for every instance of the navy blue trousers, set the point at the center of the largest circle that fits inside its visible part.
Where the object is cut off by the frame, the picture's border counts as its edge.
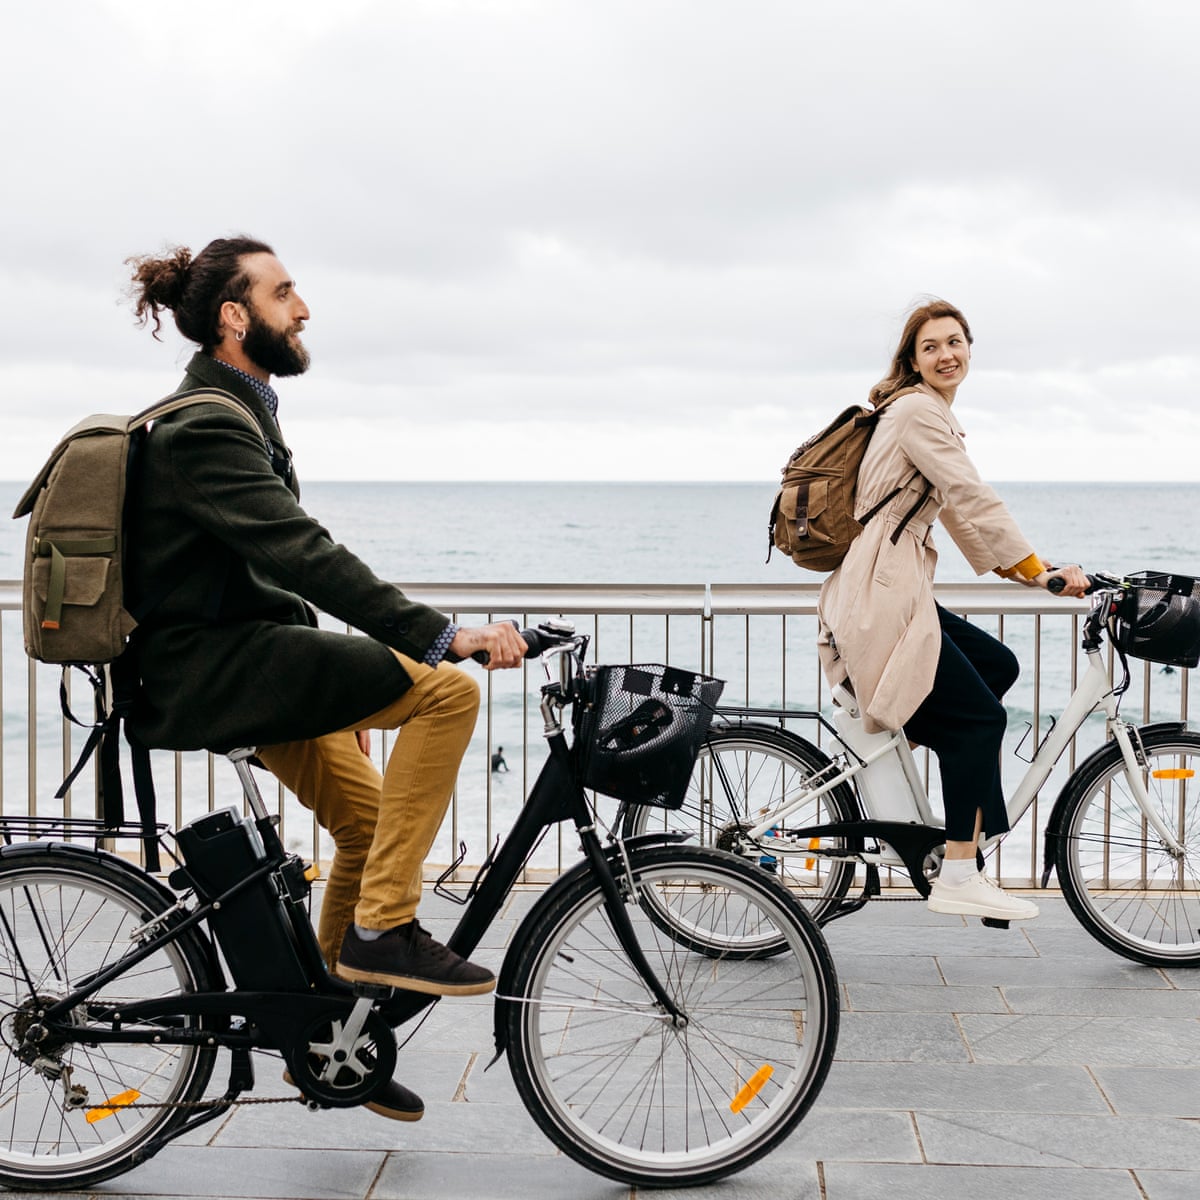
(962, 721)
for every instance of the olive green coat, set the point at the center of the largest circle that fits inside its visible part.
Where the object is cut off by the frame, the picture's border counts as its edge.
(218, 544)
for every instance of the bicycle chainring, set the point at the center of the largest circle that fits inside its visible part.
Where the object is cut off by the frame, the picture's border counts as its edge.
(360, 1073)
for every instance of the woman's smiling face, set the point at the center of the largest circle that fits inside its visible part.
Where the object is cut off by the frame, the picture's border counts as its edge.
(943, 354)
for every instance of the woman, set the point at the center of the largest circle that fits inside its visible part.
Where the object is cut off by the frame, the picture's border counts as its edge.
(912, 664)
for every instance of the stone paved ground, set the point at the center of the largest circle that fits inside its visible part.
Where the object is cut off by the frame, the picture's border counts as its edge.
(972, 1063)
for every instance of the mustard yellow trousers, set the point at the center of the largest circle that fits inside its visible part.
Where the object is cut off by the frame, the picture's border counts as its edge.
(382, 825)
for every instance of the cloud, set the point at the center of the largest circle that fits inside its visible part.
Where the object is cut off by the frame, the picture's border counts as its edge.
(667, 238)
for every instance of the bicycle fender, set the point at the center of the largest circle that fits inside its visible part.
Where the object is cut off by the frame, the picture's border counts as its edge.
(520, 939)
(33, 850)
(1054, 821)
(17, 850)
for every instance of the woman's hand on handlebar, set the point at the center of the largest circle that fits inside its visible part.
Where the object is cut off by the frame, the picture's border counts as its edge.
(495, 646)
(1064, 581)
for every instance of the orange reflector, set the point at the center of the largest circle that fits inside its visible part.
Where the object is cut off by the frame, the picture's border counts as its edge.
(112, 1105)
(813, 844)
(752, 1088)
(1174, 773)
(51, 625)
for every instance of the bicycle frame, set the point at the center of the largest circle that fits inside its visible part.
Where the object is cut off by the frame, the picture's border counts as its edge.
(556, 796)
(1094, 690)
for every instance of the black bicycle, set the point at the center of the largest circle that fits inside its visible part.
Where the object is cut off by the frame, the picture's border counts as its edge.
(647, 1036)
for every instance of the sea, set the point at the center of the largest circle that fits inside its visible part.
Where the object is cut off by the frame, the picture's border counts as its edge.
(604, 533)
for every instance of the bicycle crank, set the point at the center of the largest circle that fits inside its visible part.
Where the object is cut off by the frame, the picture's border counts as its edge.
(335, 1064)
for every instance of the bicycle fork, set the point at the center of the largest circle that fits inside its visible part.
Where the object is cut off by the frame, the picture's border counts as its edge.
(1093, 692)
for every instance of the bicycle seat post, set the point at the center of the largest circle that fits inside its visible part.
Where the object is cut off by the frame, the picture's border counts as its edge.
(241, 759)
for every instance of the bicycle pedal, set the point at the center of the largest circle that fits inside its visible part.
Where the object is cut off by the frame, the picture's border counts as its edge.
(994, 922)
(376, 991)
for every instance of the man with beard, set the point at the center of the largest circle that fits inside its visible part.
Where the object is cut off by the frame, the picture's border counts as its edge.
(226, 564)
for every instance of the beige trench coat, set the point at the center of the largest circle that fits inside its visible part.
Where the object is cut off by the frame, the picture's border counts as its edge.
(878, 622)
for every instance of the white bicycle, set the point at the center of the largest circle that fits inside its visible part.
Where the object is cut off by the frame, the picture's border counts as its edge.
(1124, 832)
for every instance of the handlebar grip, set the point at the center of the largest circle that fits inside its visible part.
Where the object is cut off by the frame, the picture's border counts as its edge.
(533, 642)
(1056, 585)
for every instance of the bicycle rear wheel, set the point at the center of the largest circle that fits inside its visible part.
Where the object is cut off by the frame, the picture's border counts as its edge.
(1127, 890)
(621, 1088)
(745, 772)
(74, 1113)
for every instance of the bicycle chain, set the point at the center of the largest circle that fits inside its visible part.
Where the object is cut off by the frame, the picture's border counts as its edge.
(189, 1104)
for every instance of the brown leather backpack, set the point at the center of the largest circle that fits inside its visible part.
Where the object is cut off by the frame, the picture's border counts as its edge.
(812, 518)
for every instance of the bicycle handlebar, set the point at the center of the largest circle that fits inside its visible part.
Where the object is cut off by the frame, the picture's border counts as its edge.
(1095, 583)
(537, 641)
(1056, 584)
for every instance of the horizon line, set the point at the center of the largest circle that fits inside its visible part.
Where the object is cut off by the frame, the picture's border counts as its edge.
(477, 480)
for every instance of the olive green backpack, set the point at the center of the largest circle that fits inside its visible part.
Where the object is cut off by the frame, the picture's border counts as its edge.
(73, 598)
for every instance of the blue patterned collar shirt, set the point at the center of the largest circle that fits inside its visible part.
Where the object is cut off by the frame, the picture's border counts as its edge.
(264, 391)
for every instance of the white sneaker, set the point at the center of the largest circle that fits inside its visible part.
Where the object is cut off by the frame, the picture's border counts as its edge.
(979, 897)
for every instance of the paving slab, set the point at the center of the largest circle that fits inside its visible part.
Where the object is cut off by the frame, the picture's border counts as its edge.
(974, 1087)
(972, 1062)
(1024, 1139)
(475, 1174)
(895, 1037)
(1169, 1185)
(1125, 1041)
(1151, 1091)
(911, 998)
(868, 1181)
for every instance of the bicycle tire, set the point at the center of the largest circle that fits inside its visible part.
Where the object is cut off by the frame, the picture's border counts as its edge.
(1122, 885)
(743, 771)
(65, 914)
(608, 1077)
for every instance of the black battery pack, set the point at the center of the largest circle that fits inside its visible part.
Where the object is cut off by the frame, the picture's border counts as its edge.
(253, 928)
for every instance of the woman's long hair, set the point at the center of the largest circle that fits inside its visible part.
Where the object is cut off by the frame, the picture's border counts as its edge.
(902, 372)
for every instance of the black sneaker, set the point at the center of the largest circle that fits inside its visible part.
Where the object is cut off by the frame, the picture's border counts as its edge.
(407, 957)
(393, 1101)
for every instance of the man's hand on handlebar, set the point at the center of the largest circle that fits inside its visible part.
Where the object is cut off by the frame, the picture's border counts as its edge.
(1074, 582)
(495, 646)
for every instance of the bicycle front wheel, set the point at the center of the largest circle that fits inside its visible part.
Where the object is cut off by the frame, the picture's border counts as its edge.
(744, 773)
(1131, 892)
(626, 1090)
(73, 1112)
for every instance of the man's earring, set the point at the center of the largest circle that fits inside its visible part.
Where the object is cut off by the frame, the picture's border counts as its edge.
(240, 336)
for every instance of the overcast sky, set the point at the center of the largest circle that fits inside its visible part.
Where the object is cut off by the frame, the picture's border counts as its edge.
(619, 239)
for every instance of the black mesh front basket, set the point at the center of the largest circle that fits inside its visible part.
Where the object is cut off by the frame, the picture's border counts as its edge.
(1158, 619)
(639, 737)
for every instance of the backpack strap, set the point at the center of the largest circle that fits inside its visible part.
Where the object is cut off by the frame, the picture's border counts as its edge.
(912, 512)
(113, 689)
(884, 502)
(916, 508)
(207, 395)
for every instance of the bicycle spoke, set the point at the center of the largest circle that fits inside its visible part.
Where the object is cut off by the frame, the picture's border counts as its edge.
(638, 1095)
(743, 774)
(78, 1111)
(1134, 894)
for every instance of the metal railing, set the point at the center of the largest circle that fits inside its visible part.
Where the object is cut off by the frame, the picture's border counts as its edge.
(760, 639)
